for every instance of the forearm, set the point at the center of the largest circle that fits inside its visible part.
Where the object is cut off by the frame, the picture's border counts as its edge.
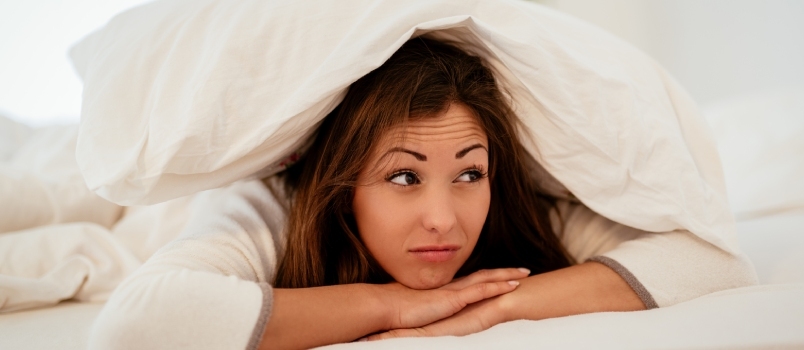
(309, 317)
(579, 289)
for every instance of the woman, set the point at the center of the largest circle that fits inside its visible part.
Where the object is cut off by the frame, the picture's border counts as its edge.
(418, 177)
(413, 213)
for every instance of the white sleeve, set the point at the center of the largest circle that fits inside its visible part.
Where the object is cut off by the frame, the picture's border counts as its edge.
(209, 288)
(663, 268)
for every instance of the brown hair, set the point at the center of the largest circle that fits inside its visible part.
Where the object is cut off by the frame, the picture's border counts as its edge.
(419, 81)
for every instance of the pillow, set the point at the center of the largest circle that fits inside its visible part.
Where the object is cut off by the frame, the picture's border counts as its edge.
(186, 95)
(761, 141)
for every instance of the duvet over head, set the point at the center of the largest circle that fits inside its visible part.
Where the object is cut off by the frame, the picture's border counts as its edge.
(183, 96)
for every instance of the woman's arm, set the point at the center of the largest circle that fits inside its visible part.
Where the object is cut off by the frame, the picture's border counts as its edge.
(626, 269)
(308, 317)
(579, 289)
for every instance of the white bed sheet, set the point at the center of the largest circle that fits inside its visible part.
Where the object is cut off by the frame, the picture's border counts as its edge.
(765, 316)
(64, 326)
(775, 244)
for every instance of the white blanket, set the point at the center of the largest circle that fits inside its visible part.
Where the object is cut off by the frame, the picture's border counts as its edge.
(58, 240)
(40, 183)
(188, 95)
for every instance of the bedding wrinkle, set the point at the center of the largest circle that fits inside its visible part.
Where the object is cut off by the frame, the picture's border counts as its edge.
(42, 185)
(45, 265)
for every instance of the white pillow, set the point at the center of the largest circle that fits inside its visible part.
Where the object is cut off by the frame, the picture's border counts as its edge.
(761, 141)
(186, 95)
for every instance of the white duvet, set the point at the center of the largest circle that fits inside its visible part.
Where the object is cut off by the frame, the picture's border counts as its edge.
(187, 95)
(59, 240)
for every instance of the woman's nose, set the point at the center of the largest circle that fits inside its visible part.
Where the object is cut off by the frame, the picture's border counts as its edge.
(438, 211)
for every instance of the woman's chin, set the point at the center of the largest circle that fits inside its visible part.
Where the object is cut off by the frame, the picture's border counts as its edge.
(427, 280)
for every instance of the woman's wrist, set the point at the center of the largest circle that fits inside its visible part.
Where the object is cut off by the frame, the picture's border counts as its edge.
(580, 289)
(508, 305)
(378, 299)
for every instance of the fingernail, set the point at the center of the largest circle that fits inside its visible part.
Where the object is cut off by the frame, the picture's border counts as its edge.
(513, 283)
(524, 270)
(363, 339)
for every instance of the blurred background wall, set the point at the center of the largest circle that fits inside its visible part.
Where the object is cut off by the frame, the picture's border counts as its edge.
(717, 49)
(37, 83)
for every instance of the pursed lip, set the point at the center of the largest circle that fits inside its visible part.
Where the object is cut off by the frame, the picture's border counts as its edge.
(435, 253)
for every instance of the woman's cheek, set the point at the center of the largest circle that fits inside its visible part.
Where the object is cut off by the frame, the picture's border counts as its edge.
(474, 211)
(382, 223)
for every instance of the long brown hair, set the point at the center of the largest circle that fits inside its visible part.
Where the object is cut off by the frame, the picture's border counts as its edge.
(419, 81)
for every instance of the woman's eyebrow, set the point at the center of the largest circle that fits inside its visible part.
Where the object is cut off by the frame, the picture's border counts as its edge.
(466, 150)
(419, 156)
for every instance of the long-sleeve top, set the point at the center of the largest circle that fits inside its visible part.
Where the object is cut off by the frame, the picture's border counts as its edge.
(210, 288)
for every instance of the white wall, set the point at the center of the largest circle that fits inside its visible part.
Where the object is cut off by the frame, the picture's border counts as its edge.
(37, 82)
(715, 48)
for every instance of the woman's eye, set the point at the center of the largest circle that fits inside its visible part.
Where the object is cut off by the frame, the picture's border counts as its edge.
(470, 176)
(406, 178)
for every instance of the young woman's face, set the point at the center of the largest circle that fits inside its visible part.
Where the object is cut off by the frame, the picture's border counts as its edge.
(423, 197)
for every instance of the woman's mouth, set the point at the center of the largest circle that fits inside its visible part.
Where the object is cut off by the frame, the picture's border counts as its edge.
(435, 253)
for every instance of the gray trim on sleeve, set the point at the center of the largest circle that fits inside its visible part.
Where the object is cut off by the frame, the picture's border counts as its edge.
(262, 319)
(629, 278)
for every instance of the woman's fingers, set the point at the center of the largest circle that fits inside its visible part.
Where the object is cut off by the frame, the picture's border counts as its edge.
(417, 308)
(471, 319)
(481, 291)
(398, 333)
(484, 276)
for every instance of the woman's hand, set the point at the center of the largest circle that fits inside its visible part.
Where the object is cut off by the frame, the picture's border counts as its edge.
(472, 319)
(416, 308)
(579, 289)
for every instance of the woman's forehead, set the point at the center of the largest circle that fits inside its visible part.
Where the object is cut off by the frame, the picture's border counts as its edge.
(457, 124)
